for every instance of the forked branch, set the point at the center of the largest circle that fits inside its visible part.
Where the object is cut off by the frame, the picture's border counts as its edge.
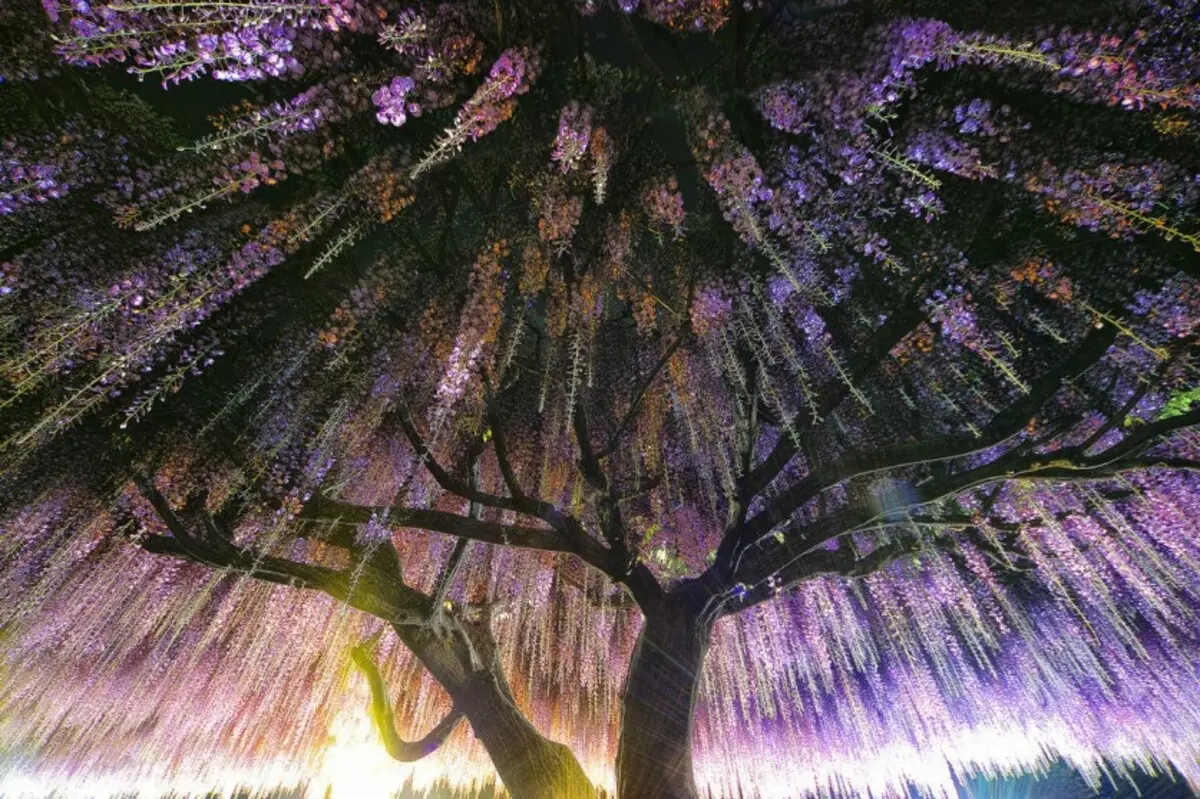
(841, 561)
(566, 533)
(1003, 427)
(385, 720)
(447, 481)
(377, 594)
(622, 427)
(438, 521)
(780, 563)
(871, 354)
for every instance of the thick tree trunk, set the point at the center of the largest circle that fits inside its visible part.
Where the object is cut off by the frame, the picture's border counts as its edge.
(654, 757)
(531, 766)
(462, 658)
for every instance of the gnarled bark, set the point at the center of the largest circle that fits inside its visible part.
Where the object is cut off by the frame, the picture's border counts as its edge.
(654, 757)
(462, 657)
(385, 722)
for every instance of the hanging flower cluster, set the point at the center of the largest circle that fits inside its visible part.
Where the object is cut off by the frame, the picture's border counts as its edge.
(491, 104)
(574, 135)
(393, 102)
(478, 330)
(682, 15)
(663, 204)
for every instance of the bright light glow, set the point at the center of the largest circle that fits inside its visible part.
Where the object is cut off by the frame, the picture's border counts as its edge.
(356, 766)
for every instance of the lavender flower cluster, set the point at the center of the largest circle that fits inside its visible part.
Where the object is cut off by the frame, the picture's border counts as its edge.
(36, 170)
(180, 41)
(574, 134)
(395, 103)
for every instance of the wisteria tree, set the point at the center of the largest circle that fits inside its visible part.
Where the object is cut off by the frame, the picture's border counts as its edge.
(697, 398)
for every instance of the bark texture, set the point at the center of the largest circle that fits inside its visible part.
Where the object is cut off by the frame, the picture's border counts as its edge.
(462, 657)
(654, 758)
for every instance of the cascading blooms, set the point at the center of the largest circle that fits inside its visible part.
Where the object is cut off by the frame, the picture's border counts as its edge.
(880, 330)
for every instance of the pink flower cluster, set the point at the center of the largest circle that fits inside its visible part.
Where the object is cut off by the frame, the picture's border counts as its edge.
(440, 46)
(1114, 68)
(734, 174)
(493, 103)
(1119, 198)
(663, 203)
(251, 172)
(560, 212)
(37, 169)
(682, 15)
(478, 329)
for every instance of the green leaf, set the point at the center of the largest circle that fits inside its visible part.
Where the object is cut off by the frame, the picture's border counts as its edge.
(1179, 404)
(651, 531)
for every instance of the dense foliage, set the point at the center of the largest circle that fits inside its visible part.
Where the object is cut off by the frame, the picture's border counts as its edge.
(761, 400)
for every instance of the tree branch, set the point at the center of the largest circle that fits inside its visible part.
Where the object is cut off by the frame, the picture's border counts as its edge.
(164, 545)
(500, 444)
(447, 481)
(446, 578)
(840, 561)
(1004, 426)
(589, 466)
(437, 521)
(747, 431)
(572, 537)
(1141, 437)
(1116, 418)
(872, 353)
(381, 713)
(785, 562)
(614, 440)
(595, 594)
(641, 581)
(378, 594)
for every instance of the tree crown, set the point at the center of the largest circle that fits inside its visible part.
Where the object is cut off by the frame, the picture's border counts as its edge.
(867, 327)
